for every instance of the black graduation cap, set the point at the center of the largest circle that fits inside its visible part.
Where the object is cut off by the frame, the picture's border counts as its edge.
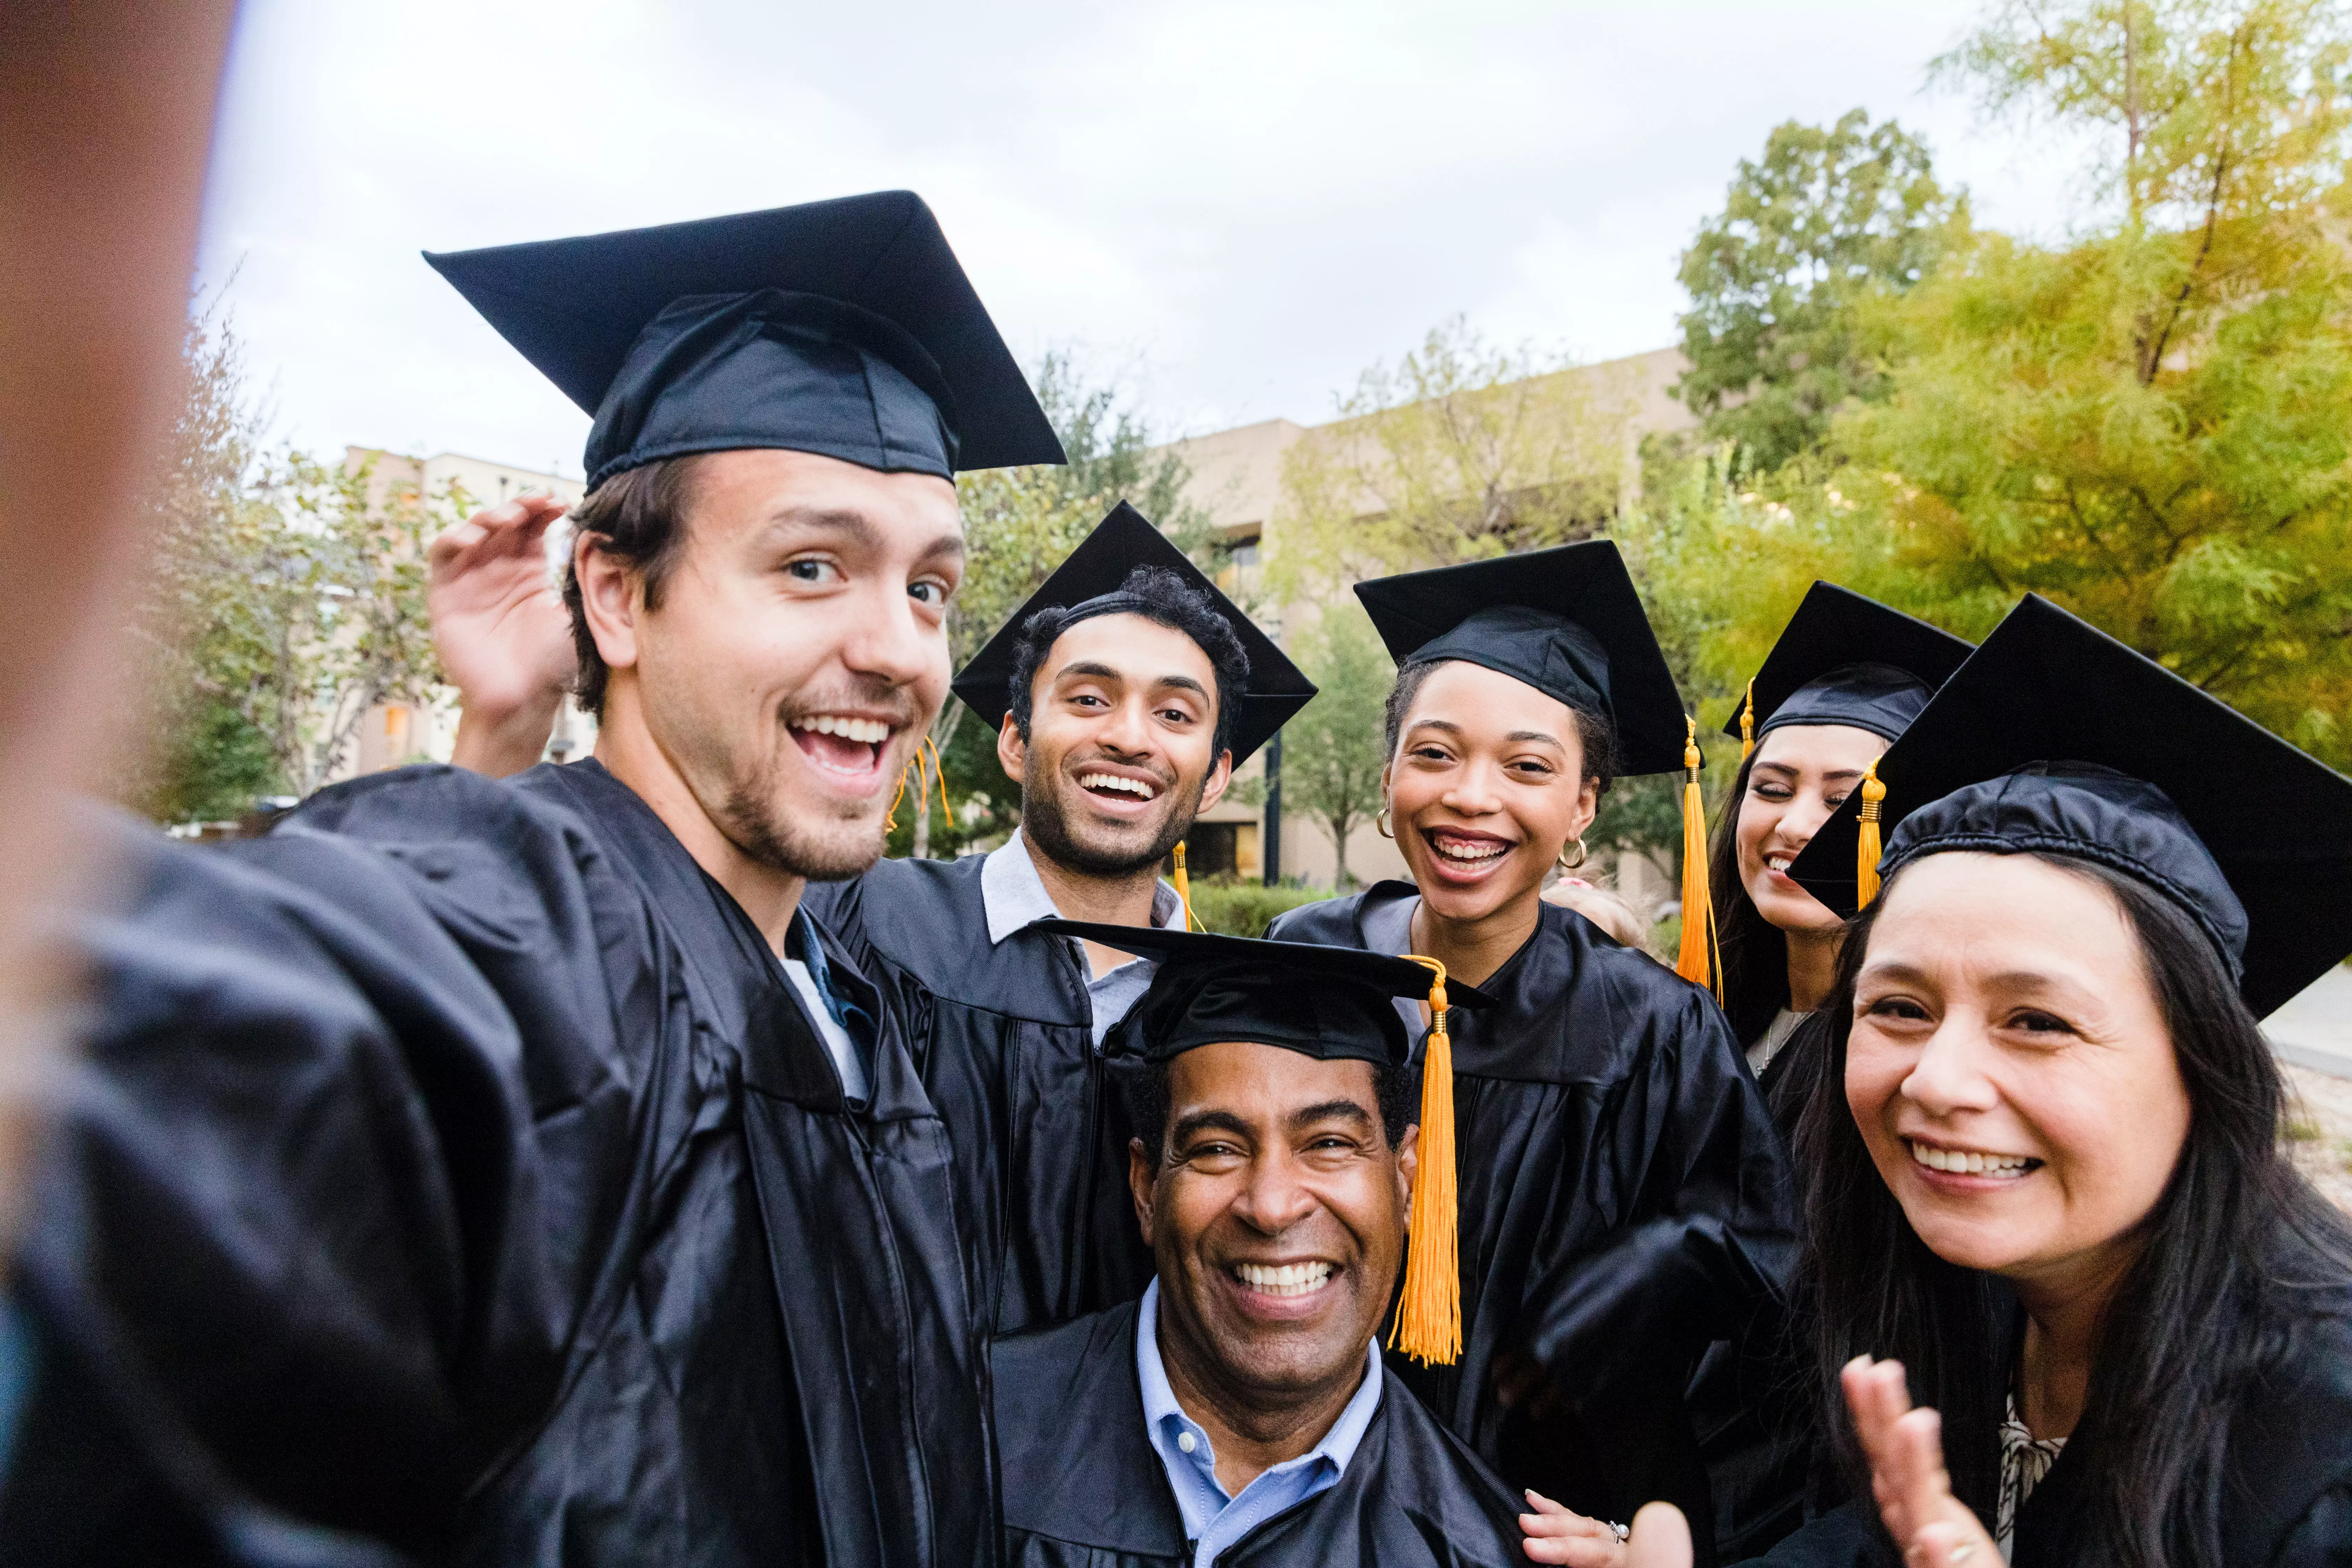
(1334, 1003)
(1123, 541)
(2055, 737)
(1566, 621)
(845, 327)
(1846, 660)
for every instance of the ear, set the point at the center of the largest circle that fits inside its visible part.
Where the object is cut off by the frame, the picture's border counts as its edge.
(611, 597)
(1142, 1171)
(1408, 1161)
(1588, 806)
(1214, 789)
(1012, 751)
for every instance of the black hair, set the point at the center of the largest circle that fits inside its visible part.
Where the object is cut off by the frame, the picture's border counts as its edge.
(1394, 1089)
(1596, 732)
(1755, 951)
(638, 515)
(1165, 599)
(2238, 1249)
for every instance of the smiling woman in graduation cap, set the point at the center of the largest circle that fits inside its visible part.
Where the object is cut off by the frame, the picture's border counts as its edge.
(1242, 1413)
(1623, 1195)
(2045, 1166)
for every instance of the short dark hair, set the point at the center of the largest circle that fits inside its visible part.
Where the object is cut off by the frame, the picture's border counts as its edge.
(1596, 732)
(1395, 1090)
(639, 516)
(1165, 598)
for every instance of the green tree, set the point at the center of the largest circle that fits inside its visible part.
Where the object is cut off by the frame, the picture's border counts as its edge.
(2152, 424)
(1825, 217)
(1333, 752)
(1019, 523)
(283, 599)
(1458, 451)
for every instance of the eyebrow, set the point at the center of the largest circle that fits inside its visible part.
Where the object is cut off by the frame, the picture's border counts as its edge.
(1516, 737)
(1202, 1121)
(1790, 770)
(861, 530)
(1331, 1110)
(1104, 672)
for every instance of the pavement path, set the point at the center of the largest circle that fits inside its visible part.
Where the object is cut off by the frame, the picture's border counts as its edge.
(2315, 1030)
(2313, 1035)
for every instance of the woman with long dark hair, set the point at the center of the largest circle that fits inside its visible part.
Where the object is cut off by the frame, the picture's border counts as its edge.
(1622, 1196)
(1847, 676)
(2043, 1167)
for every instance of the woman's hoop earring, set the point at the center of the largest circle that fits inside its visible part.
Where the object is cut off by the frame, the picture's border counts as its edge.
(1578, 844)
(1380, 823)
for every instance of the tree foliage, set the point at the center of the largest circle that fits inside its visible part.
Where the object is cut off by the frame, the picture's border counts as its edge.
(2151, 426)
(1825, 217)
(283, 601)
(1333, 752)
(1458, 451)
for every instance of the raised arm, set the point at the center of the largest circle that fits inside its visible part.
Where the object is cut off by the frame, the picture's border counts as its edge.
(504, 637)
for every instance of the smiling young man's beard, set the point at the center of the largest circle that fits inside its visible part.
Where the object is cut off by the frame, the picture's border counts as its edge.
(1047, 828)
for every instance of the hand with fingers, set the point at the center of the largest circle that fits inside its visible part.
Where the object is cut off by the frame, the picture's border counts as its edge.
(502, 632)
(1907, 1479)
(1660, 1537)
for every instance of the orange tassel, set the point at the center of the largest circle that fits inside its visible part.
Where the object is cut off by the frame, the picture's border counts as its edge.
(1748, 724)
(1429, 1313)
(1865, 844)
(939, 771)
(1693, 961)
(1183, 886)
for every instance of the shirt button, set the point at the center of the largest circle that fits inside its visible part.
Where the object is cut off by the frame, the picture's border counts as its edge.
(1186, 1441)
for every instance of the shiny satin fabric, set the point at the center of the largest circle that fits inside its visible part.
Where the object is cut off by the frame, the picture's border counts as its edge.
(2286, 1488)
(1625, 1202)
(1000, 1033)
(1084, 1487)
(457, 1166)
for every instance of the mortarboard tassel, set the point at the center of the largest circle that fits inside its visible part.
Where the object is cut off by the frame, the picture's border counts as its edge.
(1429, 1311)
(922, 784)
(1698, 909)
(1183, 883)
(1748, 724)
(1865, 844)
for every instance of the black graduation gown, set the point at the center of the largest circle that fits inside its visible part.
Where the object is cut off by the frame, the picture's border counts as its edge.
(1001, 1037)
(1625, 1201)
(1084, 1486)
(2286, 1485)
(457, 1167)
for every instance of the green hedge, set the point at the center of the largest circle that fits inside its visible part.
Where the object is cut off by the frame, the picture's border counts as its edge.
(1247, 909)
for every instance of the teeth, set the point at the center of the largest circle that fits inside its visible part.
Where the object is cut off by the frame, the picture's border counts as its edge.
(872, 732)
(1778, 862)
(1114, 781)
(1970, 1161)
(1285, 1279)
(1457, 849)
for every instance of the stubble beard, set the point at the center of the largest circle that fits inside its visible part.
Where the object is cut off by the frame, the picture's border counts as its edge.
(1047, 827)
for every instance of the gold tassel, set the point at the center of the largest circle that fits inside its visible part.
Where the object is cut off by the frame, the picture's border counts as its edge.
(1692, 962)
(939, 771)
(1429, 1314)
(1865, 844)
(1748, 724)
(1183, 886)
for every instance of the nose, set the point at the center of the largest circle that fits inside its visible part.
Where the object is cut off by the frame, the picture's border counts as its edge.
(887, 643)
(1127, 729)
(1949, 1076)
(1471, 792)
(1273, 1199)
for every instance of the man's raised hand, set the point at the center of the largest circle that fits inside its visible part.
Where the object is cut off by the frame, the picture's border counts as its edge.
(504, 637)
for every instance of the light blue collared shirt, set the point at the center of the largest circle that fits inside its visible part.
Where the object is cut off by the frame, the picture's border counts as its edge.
(1213, 1521)
(1014, 897)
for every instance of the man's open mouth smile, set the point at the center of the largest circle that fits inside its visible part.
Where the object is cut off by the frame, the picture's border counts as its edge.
(1123, 792)
(846, 745)
(1286, 1280)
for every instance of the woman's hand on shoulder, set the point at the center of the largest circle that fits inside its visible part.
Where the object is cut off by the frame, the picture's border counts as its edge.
(1907, 1479)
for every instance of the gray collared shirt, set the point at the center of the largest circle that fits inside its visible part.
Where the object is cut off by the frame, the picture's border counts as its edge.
(1014, 897)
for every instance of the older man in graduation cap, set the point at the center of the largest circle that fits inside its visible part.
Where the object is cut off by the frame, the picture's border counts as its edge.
(1124, 693)
(509, 1170)
(1242, 1413)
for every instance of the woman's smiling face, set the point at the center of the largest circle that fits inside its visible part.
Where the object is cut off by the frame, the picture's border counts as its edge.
(2009, 1067)
(1485, 788)
(1799, 776)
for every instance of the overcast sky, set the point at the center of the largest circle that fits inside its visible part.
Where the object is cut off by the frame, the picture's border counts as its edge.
(1233, 206)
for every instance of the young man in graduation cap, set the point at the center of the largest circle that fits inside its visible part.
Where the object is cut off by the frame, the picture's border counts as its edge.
(1242, 1413)
(1124, 693)
(507, 1170)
